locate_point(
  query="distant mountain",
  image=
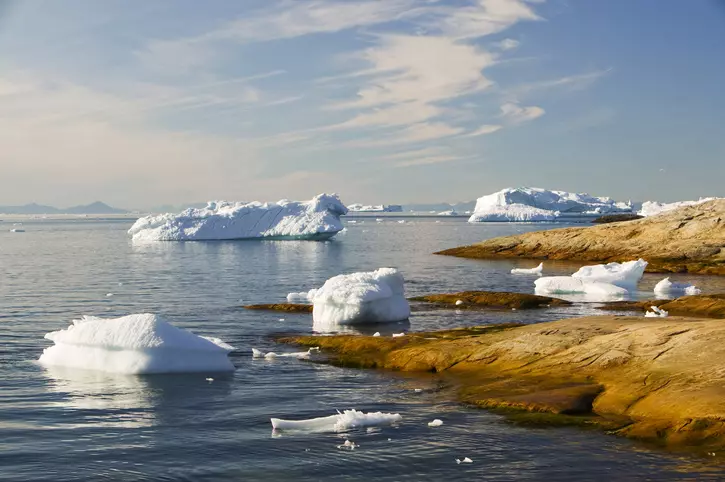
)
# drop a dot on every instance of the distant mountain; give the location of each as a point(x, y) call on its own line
point(33, 208)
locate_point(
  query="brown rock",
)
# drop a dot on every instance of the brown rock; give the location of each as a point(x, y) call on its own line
point(708, 306)
point(490, 299)
point(286, 307)
point(689, 239)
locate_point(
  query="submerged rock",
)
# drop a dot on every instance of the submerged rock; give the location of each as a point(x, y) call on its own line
point(286, 307)
point(490, 299)
point(689, 239)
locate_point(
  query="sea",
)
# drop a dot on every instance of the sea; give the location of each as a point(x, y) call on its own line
point(90, 426)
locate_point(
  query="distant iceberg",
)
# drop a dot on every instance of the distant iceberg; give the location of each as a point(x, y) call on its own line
point(541, 205)
point(380, 208)
point(450, 212)
point(317, 219)
point(652, 208)
point(368, 297)
point(134, 344)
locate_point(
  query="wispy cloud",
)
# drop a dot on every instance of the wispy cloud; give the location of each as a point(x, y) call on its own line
point(484, 130)
point(515, 114)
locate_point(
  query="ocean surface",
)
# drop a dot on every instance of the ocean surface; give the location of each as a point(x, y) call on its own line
point(77, 426)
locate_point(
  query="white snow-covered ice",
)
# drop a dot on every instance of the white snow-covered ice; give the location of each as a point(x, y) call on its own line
point(528, 204)
point(316, 219)
point(340, 422)
point(592, 290)
point(435, 423)
point(367, 297)
point(625, 275)
point(538, 270)
point(667, 287)
point(134, 344)
point(656, 313)
point(653, 208)
point(301, 355)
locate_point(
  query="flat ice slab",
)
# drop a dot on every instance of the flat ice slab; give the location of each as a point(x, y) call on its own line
point(342, 421)
point(317, 219)
point(134, 344)
point(534, 271)
point(592, 290)
point(625, 275)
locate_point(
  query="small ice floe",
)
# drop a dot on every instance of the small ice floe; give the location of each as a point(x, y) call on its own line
point(656, 313)
point(135, 345)
point(402, 221)
point(666, 287)
point(435, 423)
point(377, 333)
point(396, 335)
point(108, 295)
point(342, 421)
point(378, 220)
point(537, 271)
point(209, 379)
point(373, 429)
point(352, 221)
point(300, 355)
point(281, 319)
point(17, 230)
point(566, 285)
point(465, 460)
point(418, 390)
point(459, 302)
point(348, 445)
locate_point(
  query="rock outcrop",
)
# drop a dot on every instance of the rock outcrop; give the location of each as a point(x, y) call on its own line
point(285, 307)
point(659, 380)
point(707, 306)
point(689, 239)
point(490, 299)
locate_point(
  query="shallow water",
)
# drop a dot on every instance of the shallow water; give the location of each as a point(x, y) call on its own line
point(59, 425)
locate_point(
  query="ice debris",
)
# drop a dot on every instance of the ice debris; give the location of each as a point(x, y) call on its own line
point(538, 270)
point(396, 335)
point(435, 423)
point(301, 355)
point(666, 286)
point(459, 302)
point(465, 460)
point(656, 313)
point(134, 344)
point(377, 333)
point(348, 445)
point(337, 423)
point(316, 219)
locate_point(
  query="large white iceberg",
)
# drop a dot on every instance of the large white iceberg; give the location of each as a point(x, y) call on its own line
point(337, 423)
point(134, 344)
point(566, 285)
point(368, 297)
point(529, 204)
point(625, 275)
point(653, 208)
point(316, 219)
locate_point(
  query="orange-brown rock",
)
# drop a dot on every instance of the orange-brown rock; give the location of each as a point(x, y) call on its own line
point(286, 307)
point(708, 306)
point(689, 239)
point(660, 380)
point(490, 299)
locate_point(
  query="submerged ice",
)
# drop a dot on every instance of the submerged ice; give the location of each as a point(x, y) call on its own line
point(342, 421)
point(316, 219)
point(134, 344)
point(367, 297)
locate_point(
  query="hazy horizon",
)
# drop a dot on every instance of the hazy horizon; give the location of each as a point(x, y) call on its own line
point(394, 102)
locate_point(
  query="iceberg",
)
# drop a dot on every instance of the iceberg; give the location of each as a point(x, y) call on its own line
point(380, 208)
point(594, 290)
point(625, 275)
point(448, 213)
point(666, 287)
point(368, 297)
point(317, 219)
point(337, 423)
point(538, 270)
point(541, 205)
point(653, 208)
point(134, 344)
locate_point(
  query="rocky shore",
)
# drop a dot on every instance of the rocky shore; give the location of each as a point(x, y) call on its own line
point(658, 380)
point(689, 239)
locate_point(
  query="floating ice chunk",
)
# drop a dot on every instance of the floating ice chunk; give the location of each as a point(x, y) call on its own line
point(656, 313)
point(348, 445)
point(17, 230)
point(337, 423)
point(377, 333)
point(538, 270)
point(465, 460)
point(418, 390)
point(435, 423)
point(459, 302)
point(133, 344)
point(625, 275)
point(304, 296)
point(653, 208)
point(448, 213)
point(402, 221)
point(396, 335)
point(594, 291)
point(209, 379)
point(513, 213)
point(316, 219)
point(108, 295)
point(300, 355)
point(667, 287)
point(369, 297)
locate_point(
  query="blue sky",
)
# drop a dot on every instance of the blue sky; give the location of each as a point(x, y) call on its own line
point(393, 101)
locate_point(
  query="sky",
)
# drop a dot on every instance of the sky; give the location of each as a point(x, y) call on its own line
point(393, 101)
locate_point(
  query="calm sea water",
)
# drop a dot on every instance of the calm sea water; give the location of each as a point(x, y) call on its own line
point(74, 426)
